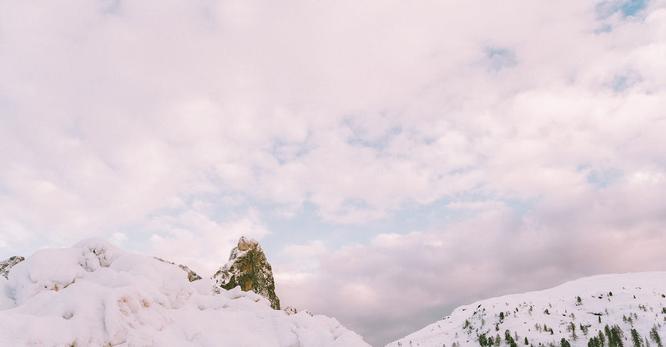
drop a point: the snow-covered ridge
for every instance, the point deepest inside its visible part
(603, 310)
(94, 294)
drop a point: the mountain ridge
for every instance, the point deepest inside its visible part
(625, 308)
(95, 294)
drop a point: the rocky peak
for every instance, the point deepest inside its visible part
(249, 269)
(245, 244)
(9, 263)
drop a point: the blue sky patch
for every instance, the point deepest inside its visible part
(632, 7)
(499, 58)
(603, 178)
(625, 80)
(627, 8)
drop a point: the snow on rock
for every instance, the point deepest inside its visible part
(94, 294)
(290, 310)
(248, 269)
(8, 264)
(191, 275)
(594, 311)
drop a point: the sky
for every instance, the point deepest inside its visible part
(395, 159)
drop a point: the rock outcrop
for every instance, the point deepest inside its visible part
(9, 263)
(248, 269)
(191, 275)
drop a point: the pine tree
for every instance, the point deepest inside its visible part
(483, 341)
(614, 336)
(654, 335)
(636, 338)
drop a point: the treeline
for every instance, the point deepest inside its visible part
(614, 337)
(610, 336)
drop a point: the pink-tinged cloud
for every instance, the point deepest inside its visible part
(522, 141)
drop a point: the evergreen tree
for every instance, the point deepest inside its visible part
(636, 338)
(654, 335)
(509, 339)
(614, 336)
(482, 340)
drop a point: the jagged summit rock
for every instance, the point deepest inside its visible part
(191, 275)
(9, 263)
(249, 269)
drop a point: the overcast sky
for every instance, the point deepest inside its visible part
(395, 158)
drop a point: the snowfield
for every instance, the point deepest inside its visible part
(630, 307)
(94, 294)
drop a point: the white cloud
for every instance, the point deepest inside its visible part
(193, 238)
(172, 116)
(400, 282)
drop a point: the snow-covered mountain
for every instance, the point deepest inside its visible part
(94, 294)
(607, 310)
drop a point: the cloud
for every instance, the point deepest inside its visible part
(173, 127)
(131, 120)
(192, 238)
(401, 282)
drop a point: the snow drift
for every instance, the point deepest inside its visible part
(94, 294)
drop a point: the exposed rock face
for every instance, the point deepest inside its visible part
(191, 275)
(7, 264)
(249, 269)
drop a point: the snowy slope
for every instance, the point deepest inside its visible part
(94, 294)
(575, 311)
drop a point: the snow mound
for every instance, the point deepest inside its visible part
(628, 308)
(94, 294)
